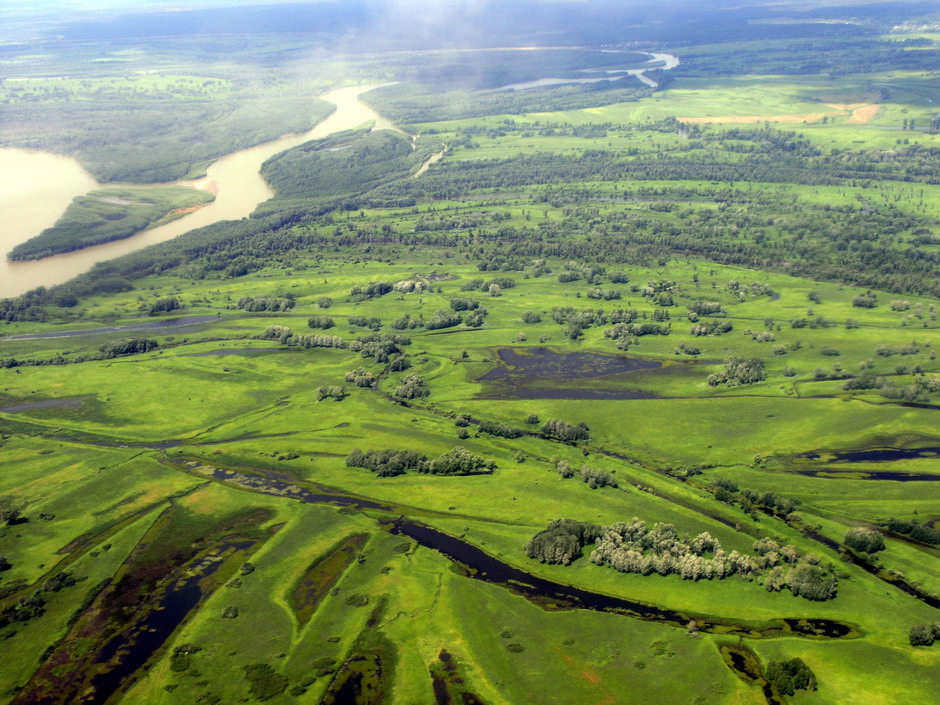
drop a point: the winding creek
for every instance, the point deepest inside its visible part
(45, 184)
(548, 594)
(657, 61)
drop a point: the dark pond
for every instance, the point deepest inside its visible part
(541, 373)
(553, 596)
(151, 632)
(180, 322)
(746, 666)
(277, 487)
(871, 455)
(64, 403)
(236, 351)
(861, 475)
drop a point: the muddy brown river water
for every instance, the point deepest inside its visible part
(38, 187)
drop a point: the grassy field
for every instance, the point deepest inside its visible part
(270, 421)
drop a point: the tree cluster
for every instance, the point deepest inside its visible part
(739, 371)
(254, 304)
(332, 391)
(127, 346)
(556, 428)
(914, 529)
(864, 540)
(924, 634)
(381, 346)
(593, 477)
(164, 305)
(494, 428)
(389, 463)
(787, 677)
(412, 387)
(360, 377)
(287, 337)
(561, 542)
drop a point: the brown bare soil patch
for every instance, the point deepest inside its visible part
(864, 114)
(752, 119)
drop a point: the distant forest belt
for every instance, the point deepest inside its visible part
(860, 114)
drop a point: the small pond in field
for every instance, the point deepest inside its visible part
(542, 373)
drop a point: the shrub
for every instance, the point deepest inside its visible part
(924, 634)
(323, 322)
(264, 682)
(164, 305)
(459, 461)
(864, 540)
(412, 387)
(566, 432)
(127, 346)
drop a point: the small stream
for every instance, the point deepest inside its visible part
(546, 593)
(180, 598)
(161, 324)
(556, 596)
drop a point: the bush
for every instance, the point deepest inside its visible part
(127, 346)
(372, 323)
(924, 634)
(253, 304)
(739, 371)
(164, 305)
(864, 540)
(459, 461)
(500, 429)
(464, 304)
(566, 432)
(412, 387)
(561, 542)
(444, 319)
(789, 676)
(371, 290)
(264, 682)
(531, 318)
(322, 322)
(360, 377)
(386, 463)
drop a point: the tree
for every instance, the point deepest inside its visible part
(412, 387)
(322, 322)
(866, 300)
(789, 676)
(566, 432)
(924, 634)
(864, 540)
(164, 305)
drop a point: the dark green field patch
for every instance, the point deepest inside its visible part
(322, 575)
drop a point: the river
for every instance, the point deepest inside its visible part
(39, 187)
(664, 62)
